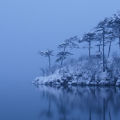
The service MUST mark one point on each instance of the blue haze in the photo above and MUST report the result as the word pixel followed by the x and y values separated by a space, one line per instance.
pixel 27 26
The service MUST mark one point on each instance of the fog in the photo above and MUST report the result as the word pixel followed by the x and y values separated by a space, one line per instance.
pixel 27 26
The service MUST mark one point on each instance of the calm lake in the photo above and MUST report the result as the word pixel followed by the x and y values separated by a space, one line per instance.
pixel 80 103
pixel 20 100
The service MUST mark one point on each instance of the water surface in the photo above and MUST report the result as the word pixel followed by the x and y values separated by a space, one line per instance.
pixel 80 103
pixel 20 100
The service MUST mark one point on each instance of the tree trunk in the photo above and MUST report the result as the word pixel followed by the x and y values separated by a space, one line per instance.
pixel 61 63
pixel 119 42
pixel 64 50
pixel 119 38
pixel 89 48
pixel 100 46
pixel 109 49
pixel 103 51
pixel 49 60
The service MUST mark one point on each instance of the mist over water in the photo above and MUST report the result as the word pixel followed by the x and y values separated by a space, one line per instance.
pixel 27 26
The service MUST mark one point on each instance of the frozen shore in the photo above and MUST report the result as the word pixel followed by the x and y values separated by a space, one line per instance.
pixel 85 72
pixel 53 80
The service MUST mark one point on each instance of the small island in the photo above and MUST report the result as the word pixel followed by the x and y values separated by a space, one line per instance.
pixel 99 67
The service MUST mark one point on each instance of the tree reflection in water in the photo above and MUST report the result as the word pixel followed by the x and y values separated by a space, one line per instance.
pixel 80 103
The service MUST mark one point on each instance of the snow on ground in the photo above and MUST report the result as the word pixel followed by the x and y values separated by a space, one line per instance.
pixel 83 72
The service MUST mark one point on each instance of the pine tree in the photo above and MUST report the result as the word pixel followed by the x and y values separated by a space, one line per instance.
pixel 72 42
pixel 48 54
pixel 63 53
pixel 111 38
pixel 65 47
pixel 102 30
pixel 61 56
pixel 89 37
pixel 116 26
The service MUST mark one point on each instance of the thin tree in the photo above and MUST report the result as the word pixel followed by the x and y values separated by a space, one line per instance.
pixel 62 54
pixel 99 42
pixel 111 34
pixel 63 46
pixel 72 42
pixel 89 37
pixel 101 28
pixel 116 26
pixel 110 38
pixel 48 54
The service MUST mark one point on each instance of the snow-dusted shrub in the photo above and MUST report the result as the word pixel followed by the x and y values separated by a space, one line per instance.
pixel 85 71
pixel 92 67
pixel 115 66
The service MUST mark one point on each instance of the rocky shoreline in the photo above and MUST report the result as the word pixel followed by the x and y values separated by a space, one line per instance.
pixel 75 80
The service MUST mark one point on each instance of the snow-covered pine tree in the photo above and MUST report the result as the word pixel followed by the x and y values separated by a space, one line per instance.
pixel 72 42
pixel 116 26
pixel 110 38
pixel 89 37
pixel 63 53
pixel 61 56
pixel 101 29
pixel 48 54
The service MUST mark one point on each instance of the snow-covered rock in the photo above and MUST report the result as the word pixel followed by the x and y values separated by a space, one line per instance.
pixel 85 72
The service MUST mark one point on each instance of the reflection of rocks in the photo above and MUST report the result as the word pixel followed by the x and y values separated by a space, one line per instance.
pixel 82 103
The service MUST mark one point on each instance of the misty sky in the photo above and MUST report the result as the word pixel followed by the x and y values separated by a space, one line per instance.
pixel 27 26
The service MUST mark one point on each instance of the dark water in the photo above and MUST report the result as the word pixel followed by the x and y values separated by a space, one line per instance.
pixel 80 103
pixel 20 100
